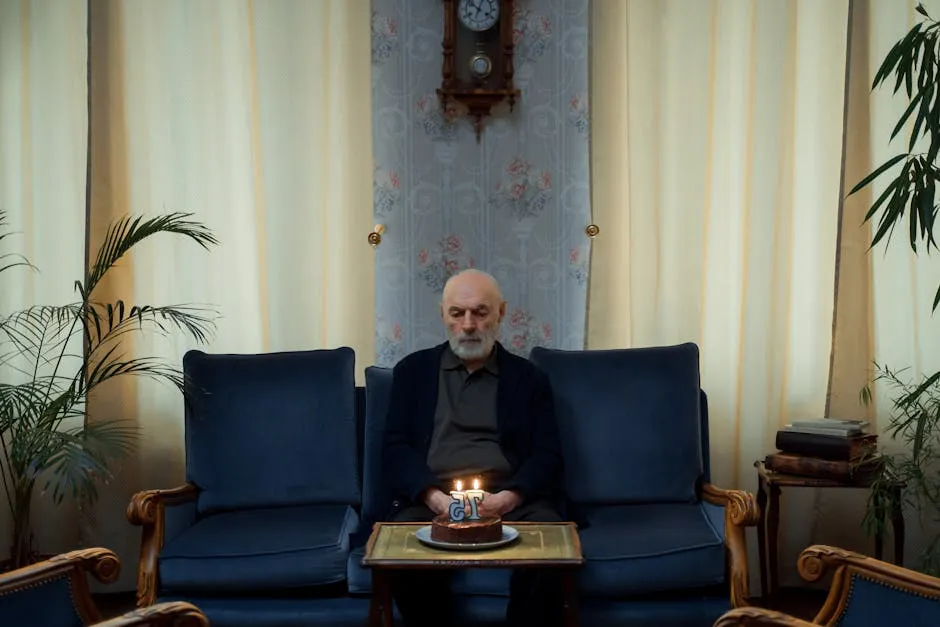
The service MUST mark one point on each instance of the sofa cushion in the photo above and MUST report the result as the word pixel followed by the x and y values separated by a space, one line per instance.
pixel 358 577
pixel 279 610
pixel 629 421
pixel 639 549
pixel 272 429
pixel 260 549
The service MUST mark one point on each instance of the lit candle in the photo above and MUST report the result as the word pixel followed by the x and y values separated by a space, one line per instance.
pixel 474 498
pixel 458 507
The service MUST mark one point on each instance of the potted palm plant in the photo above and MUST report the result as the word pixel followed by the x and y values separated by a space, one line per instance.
pixel 911 189
pixel 53 356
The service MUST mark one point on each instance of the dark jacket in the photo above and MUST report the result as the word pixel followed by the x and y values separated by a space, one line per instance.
pixel 525 417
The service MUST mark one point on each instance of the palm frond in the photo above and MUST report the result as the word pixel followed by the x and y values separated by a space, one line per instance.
pixel 10 260
pixel 18 400
pixel 127 232
pixel 114 365
pixel 40 329
pixel 79 458
pixel 111 321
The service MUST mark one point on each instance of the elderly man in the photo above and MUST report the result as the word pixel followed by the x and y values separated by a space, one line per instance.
pixel 465 408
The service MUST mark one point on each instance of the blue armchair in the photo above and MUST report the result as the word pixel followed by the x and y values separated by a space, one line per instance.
pixel 662 545
pixel 259 534
pixel 55 593
pixel 864 592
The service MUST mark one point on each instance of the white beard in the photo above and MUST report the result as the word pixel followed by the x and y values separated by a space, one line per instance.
pixel 475 346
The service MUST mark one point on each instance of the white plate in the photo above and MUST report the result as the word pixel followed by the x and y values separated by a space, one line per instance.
pixel 424 536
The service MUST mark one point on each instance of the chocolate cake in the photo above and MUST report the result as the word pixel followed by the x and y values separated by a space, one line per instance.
pixel 487 529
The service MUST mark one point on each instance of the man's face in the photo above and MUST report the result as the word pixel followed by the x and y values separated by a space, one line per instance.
pixel 472 314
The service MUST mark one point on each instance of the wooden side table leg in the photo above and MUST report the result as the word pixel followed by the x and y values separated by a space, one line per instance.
pixel 762 535
pixel 570 592
pixel 773 529
pixel 380 603
pixel 897 524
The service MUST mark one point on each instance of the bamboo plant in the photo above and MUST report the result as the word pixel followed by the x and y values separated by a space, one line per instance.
pixel 911 189
pixel 53 356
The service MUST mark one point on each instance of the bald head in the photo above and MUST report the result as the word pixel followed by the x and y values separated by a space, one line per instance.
pixel 472 307
pixel 472 280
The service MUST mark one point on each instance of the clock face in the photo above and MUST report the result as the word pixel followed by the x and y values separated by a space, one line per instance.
pixel 478 15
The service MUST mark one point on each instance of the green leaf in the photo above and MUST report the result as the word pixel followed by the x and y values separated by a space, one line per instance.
pixel 927 211
pixel 919 121
pixel 893 212
pixel 878 172
pixel 889 63
pixel 891 188
pixel 907 113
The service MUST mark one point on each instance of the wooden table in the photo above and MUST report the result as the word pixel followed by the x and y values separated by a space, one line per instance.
pixel 394 546
pixel 771 483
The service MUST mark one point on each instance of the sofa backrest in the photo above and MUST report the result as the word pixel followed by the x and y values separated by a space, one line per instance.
pixel 630 422
pixel 376 497
pixel 272 429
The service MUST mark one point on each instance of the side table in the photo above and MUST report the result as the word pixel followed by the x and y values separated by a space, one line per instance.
pixel 394 546
pixel 771 483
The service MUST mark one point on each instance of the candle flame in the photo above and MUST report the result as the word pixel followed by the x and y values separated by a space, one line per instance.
pixel 458 485
pixel 476 484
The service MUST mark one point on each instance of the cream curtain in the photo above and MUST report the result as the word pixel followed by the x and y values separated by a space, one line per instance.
pixel 250 115
pixel 716 156
pixel 42 183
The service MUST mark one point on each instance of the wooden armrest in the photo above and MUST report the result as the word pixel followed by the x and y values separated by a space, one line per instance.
pixel 740 505
pixel 171 614
pixel 818 558
pixel 147 510
pixel 741 511
pixel 103 564
pixel 756 616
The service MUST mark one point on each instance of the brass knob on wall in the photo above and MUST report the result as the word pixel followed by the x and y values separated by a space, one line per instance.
pixel 375 237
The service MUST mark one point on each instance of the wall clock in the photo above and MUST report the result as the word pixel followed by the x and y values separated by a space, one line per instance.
pixel 477 67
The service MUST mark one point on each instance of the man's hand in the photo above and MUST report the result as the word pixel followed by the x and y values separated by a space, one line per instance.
pixel 437 501
pixel 501 503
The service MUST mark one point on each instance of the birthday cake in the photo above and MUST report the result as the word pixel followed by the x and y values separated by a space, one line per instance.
pixel 486 529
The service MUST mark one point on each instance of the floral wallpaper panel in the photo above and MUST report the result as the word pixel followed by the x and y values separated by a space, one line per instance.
pixel 515 204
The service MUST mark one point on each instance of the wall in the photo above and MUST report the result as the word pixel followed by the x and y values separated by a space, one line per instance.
pixel 515 204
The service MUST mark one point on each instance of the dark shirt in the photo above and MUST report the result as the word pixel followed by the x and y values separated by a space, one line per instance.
pixel 465 442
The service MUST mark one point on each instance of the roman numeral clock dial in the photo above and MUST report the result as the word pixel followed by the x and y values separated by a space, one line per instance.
pixel 477 48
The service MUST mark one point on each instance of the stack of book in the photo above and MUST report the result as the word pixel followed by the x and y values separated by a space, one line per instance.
pixel 826 448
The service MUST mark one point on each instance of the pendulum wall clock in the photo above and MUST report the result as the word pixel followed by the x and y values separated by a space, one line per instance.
pixel 477 47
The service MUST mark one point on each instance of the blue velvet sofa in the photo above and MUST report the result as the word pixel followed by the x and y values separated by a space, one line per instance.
pixel 864 592
pixel 284 481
